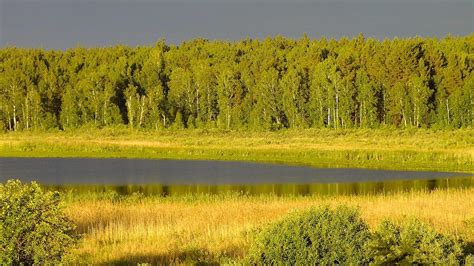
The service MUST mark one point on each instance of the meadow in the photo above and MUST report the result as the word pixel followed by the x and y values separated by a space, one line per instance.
pixel 220 228
pixel 395 104
pixel 416 149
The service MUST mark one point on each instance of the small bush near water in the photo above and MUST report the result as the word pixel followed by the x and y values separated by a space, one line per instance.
pixel 326 237
pixel 414 243
pixel 319 236
pixel 33 227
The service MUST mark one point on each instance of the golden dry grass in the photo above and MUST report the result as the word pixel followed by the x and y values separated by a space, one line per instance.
pixel 220 229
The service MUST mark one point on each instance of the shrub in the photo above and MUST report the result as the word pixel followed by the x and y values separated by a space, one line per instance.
pixel 469 260
pixel 33 228
pixel 319 236
pixel 412 243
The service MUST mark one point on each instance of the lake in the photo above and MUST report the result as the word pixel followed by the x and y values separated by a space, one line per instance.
pixel 171 177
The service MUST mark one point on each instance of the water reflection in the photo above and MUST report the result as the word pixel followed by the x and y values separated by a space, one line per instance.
pixel 178 177
pixel 192 172
pixel 361 188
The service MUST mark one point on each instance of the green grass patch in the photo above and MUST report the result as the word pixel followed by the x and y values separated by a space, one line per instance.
pixel 378 149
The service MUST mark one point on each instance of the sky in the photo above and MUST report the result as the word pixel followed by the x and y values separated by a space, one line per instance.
pixel 60 24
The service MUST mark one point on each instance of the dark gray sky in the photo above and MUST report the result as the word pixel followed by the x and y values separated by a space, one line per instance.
pixel 68 23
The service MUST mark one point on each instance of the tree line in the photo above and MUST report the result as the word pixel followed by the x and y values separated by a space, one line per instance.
pixel 249 84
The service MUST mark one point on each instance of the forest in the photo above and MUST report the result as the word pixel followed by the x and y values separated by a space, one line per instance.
pixel 250 84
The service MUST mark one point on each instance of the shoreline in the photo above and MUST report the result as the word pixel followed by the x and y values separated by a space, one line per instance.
pixel 419 150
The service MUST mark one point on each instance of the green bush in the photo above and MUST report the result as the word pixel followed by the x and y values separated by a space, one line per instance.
pixel 412 243
pixel 33 228
pixel 319 236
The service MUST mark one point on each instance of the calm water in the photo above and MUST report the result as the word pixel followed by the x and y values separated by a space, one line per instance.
pixel 169 177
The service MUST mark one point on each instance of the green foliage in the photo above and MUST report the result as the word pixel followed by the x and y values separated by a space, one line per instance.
pixel 33 228
pixel 412 243
pixel 263 85
pixel 178 121
pixel 469 260
pixel 319 236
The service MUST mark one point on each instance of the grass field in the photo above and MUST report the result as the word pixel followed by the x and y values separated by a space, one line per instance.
pixel 416 149
pixel 198 228
pixel 220 228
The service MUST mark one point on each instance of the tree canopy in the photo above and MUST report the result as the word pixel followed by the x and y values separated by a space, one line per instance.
pixel 267 84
